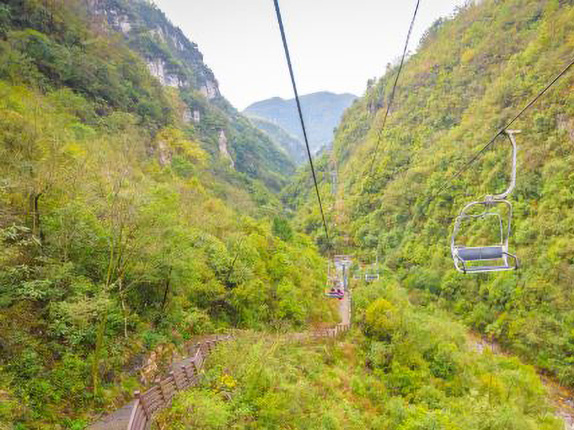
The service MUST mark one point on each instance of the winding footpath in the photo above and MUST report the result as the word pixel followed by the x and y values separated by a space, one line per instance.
pixel 138 414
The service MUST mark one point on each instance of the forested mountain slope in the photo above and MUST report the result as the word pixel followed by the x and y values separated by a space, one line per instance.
pixel 178 63
pixel 406 367
pixel 469 76
pixel 291 144
pixel 322 111
pixel 123 230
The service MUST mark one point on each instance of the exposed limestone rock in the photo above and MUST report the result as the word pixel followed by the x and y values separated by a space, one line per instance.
pixel 223 147
pixel 210 90
pixel 186 116
pixel 181 67
pixel 124 25
pixel 157 68
pixel 164 154
pixel 189 116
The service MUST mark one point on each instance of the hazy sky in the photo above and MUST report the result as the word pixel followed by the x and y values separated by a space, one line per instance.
pixel 336 45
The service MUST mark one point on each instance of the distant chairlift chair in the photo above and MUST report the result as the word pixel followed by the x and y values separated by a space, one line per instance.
pixel 371 277
pixel 493 258
pixel 373 274
pixel 333 290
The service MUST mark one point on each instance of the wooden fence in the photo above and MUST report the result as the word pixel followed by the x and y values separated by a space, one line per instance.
pixel 138 414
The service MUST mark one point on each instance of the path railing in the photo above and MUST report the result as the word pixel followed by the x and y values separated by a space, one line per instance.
pixel 138 414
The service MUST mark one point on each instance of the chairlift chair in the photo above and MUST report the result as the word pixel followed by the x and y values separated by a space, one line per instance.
pixel 496 257
pixel 335 294
pixel 374 272
pixel 333 289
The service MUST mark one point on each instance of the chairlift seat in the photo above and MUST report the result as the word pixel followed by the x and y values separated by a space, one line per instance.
pixel 481 253
pixel 464 255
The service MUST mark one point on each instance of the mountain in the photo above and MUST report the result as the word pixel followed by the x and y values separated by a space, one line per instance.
pixel 137 208
pixel 452 98
pixel 177 63
pixel 139 212
pixel 322 112
pixel 292 145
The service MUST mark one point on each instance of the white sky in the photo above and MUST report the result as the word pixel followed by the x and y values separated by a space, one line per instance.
pixel 336 45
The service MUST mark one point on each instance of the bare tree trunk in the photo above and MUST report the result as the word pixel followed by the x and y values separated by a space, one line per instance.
pixel 124 308
pixel 166 291
pixel 102 324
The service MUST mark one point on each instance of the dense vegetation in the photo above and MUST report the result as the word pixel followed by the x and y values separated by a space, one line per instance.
pixel 420 375
pixel 120 232
pixel 124 231
pixel 469 76
pixel 292 145
pixel 177 62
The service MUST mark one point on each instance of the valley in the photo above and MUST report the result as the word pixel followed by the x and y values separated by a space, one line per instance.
pixel 143 216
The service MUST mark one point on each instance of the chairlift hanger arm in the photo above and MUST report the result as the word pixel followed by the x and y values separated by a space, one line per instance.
pixel 510 134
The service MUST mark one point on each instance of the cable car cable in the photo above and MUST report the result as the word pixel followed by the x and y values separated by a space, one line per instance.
pixel 476 156
pixel 300 111
pixel 392 97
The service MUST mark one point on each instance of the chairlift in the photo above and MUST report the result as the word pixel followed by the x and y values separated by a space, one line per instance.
pixel 335 293
pixel 495 257
pixel 334 289
pixel 374 272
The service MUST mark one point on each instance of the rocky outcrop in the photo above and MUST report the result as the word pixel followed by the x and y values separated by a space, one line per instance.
pixel 164 154
pixel 114 19
pixel 176 62
pixel 210 90
pixel 157 68
pixel 223 148
pixel 170 56
pixel 189 116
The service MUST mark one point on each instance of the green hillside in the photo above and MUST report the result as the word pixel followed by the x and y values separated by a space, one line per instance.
pixel 140 213
pixel 469 76
pixel 408 368
pixel 123 229
pixel 177 62
pixel 292 145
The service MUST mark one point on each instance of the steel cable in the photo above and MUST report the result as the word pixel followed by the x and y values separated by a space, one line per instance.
pixel 476 156
pixel 300 111
pixel 392 97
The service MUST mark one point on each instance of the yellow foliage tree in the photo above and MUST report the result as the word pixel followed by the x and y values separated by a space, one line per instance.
pixel 177 141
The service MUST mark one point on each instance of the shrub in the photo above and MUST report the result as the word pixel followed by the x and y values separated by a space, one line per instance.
pixel 382 320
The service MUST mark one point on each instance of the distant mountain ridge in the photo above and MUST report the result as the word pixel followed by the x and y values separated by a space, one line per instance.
pixel 322 111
